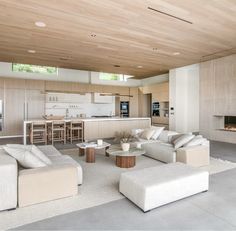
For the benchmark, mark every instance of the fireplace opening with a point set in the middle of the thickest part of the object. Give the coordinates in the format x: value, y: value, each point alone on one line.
x: 230, y: 123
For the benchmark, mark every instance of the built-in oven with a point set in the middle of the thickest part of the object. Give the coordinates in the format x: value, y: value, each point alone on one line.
x: 155, y: 109
x: 1, y: 115
x: 124, y: 109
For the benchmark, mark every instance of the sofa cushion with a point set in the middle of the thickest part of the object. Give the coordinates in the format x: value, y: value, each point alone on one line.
x: 32, y: 148
x: 166, y: 135
x: 147, y: 134
x: 37, y: 152
x: 65, y: 159
x: 136, y: 132
x: 157, y: 132
x: 25, y: 158
x: 139, y: 143
x: 197, y: 140
x: 49, y: 150
x: 182, y: 140
x: 160, y: 151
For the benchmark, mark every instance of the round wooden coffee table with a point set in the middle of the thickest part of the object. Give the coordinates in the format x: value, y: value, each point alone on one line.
x: 125, y: 159
x: 89, y: 150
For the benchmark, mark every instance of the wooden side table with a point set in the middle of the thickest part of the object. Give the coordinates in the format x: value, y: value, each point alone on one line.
x: 90, y: 155
x: 88, y: 149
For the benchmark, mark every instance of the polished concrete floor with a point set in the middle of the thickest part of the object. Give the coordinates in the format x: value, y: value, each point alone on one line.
x: 213, y: 210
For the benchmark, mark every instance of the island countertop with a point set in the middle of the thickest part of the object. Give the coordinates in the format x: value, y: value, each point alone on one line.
x: 100, y: 128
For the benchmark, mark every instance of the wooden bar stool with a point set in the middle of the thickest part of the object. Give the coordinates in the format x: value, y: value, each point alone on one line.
x: 38, y: 132
x: 58, y: 131
x: 75, y: 131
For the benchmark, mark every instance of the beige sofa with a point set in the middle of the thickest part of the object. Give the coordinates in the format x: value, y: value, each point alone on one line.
x: 163, y: 150
x: 31, y: 186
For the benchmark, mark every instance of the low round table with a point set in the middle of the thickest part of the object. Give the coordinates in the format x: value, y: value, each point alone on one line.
x: 89, y: 150
x: 125, y: 159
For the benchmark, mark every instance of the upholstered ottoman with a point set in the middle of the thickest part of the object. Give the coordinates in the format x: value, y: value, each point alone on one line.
x: 156, y: 186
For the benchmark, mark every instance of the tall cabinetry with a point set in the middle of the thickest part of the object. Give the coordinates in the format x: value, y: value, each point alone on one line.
x: 21, y: 102
x: 159, y: 103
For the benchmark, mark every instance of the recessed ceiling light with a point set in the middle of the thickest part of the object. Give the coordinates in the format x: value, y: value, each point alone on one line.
x: 65, y: 58
x: 116, y: 65
x: 176, y: 53
x: 40, y: 24
x: 31, y: 51
x: 139, y: 66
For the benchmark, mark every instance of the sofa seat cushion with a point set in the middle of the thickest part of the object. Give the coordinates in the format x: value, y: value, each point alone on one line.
x: 144, y: 141
x: 164, y: 152
x: 64, y: 159
x: 49, y: 150
x: 156, y: 186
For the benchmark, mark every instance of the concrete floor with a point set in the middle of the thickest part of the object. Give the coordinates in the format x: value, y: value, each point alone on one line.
x: 213, y: 210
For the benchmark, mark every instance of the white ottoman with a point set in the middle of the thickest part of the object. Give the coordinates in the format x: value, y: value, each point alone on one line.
x: 152, y: 187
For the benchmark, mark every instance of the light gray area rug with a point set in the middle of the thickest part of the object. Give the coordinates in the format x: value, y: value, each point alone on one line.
x: 100, y: 186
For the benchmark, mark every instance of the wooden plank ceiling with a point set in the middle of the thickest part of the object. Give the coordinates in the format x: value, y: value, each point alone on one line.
x: 142, y: 37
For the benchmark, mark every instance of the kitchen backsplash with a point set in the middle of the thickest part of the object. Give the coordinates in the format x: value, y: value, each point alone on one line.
x: 75, y: 105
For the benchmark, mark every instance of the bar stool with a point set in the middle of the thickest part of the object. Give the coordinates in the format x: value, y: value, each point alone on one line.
x: 75, y: 131
x: 58, y: 131
x: 38, y: 132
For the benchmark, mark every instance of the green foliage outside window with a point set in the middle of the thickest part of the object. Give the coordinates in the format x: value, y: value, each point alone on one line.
x: 17, y: 67
x: 109, y: 76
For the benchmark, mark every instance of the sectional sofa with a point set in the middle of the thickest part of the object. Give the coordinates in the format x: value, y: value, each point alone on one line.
x: 25, y: 187
x: 192, y: 150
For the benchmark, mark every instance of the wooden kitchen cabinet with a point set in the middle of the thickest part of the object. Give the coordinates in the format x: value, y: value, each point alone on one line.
x: 14, y: 83
x: 35, y: 104
x: 14, y: 111
x: 35, y: 84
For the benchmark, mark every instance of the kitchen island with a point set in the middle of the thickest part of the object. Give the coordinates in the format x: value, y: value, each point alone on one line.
x: 100, y: 128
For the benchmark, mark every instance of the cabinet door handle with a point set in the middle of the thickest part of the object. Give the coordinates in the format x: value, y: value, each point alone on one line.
x: 27, y: 110
x: 24, y: 111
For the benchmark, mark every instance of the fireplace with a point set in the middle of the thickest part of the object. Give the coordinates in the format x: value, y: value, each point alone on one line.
x: 230, y: 123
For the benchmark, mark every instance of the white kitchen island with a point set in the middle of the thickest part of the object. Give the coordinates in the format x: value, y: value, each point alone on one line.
x: 101, y: 128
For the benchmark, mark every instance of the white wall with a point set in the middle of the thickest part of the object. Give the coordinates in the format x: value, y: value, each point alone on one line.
x: 58, y: 103
x: 67, y: 75
x: 155, y: 79
x: 184, y: 98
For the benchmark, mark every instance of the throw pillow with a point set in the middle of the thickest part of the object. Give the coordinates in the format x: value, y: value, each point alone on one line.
x: 38, y: 153
x: 25, y: 158
x: 26, y: 147
x: 182, y: 140
x: 165, y: 135
x: 157, y: 132
x: 35, y: 151
x: 136, y: 132
x: 175, y: 137
x: 147, y: 134
x: 197, y: 140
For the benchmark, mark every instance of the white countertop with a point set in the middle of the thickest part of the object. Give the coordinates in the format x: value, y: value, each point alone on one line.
x: 90, y: 119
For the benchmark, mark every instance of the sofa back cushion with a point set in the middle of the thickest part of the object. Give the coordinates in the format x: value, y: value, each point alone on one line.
x: 182, y: 140
x: 25, y: 157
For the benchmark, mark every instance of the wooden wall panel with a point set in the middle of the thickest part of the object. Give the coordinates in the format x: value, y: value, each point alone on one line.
x: 217, y: 97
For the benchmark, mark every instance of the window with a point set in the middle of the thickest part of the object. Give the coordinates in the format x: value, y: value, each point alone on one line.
x: 17, y: 67
x: 116, y: 77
